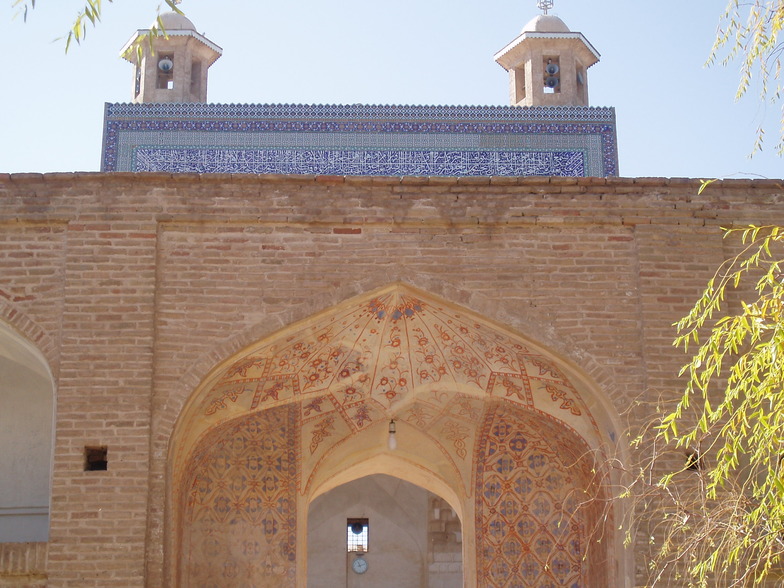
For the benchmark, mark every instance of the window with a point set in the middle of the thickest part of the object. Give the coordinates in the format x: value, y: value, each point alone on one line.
x: 357, y: 535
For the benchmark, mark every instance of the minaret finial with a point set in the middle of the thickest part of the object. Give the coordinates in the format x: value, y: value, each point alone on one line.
x: 544, y: 5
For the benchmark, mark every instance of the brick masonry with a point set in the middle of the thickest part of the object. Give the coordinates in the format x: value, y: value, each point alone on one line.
x: 134, y: 286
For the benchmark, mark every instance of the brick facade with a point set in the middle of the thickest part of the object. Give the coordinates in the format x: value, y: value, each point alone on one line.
x: 135, y: 286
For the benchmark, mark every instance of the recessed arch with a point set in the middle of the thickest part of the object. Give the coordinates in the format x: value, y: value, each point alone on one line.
x: 27, y: 436
x: 394, y: 353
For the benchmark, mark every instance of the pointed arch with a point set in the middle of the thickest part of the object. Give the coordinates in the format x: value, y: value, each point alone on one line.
x: 394, y: 353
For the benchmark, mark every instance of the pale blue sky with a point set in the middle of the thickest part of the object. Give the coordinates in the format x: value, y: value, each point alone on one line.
x: 676, y: 118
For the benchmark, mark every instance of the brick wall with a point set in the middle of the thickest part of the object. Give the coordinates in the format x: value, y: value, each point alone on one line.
x: 135, y: 286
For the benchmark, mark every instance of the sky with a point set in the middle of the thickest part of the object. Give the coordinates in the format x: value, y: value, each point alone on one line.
x: 675, y: 117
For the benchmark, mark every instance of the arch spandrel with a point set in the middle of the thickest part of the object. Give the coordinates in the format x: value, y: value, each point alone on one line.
x: 396, y: 353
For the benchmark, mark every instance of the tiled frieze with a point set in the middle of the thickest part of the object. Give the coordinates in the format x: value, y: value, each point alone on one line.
x: 360, y: 162
x: 360, y: 140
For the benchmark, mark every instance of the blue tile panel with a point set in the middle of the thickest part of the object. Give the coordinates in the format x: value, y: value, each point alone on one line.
x: 360, y: 140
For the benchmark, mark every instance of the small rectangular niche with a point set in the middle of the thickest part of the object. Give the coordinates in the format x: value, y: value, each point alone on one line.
x: 357, y: 535
x: 96, y: 458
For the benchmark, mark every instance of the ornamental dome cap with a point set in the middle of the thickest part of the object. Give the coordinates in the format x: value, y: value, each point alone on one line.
x: 546, y: 23
x: 173, y: 21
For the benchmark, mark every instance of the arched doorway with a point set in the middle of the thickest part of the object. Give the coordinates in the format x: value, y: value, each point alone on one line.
x: 307, y: 410
x: 405, y: 534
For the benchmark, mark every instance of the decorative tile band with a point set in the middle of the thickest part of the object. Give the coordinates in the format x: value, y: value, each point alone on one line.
x: 360, y: 163
x: 360, y: 140
x: 359, y: 112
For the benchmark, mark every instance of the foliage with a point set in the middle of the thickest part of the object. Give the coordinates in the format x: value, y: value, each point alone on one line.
x: 717, y: 517
x: 89, y: 14
x: 749, y: 31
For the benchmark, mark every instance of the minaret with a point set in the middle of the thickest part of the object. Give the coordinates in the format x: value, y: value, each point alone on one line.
x: 176, y: 68
x: 548, y: 63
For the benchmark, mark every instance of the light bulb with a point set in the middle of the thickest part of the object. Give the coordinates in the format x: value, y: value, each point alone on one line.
x: 392, y: 439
